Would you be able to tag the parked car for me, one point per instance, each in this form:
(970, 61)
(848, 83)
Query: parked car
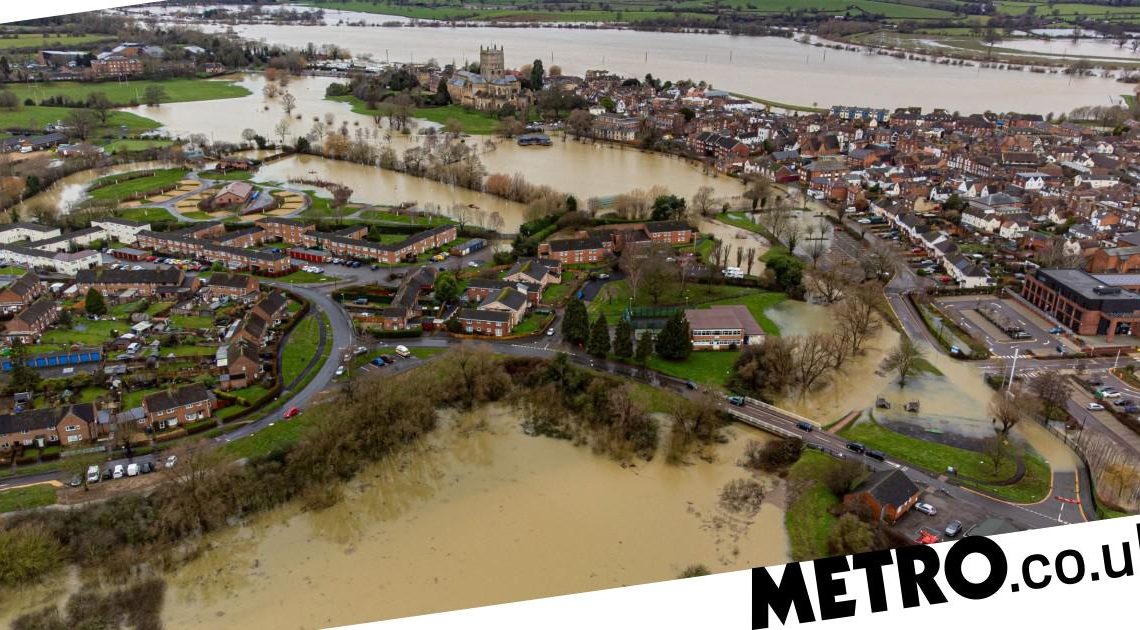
(118, 471)
(806, 427)
(1056, 330)
(736, 400)
(360, 350)
(378, 362)
(690, 385)
(1110, 393)
(550, 332)
(856, 447)
(171, 461)
(147, 467)
(76, 481)
(293, 412)
(873, 454)
(925, 508)
(1123, 402)
(107, 473)
(1095, 407)
(403, 351)
(953, 528)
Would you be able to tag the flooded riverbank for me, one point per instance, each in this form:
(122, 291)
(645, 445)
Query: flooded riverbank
(426, 531)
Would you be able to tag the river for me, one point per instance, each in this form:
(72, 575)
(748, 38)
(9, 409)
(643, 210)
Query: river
(476, 516)
(773, 68)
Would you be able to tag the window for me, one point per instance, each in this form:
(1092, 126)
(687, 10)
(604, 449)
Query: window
(72, 439)
(71, 428)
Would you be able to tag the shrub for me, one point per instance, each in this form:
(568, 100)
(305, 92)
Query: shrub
(27, 554)
(774, 456)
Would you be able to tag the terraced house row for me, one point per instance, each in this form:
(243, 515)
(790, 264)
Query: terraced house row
(350, 242)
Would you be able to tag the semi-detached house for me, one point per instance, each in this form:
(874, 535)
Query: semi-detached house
(190, 403)
(68, 426)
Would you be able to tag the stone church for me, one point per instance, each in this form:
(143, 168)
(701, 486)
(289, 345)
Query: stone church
(491, 88)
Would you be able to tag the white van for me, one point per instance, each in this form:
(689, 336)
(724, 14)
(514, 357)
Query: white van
(132, 470)
(118, 472)
(733, 272)
(403, 351)
(134, 347)
(93, 474)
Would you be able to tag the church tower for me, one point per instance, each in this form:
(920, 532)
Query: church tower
(491, 64)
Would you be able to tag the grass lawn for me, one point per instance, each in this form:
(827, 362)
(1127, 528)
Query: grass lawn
(123, 146)
(12, 271)
(93, 333)
(614, 297)
(134, 398)
(1033, 487)
(27, 497)
(555, 292)
(251, 393)
(160, 178)
(145, 215)
(188, 351)
(808, 519)
(932, 456)
(158, 307)
(922, 366)
(473, 122)
(530, 324)
(418, 352)
(280, 434)
(758, 302)
(300, 348)
(51, 41)
(125, 309)
(122, 93)
(192, 321)
(708, 367)
(230, 176)
(655, 399)
(381, 216)
(37, 117)
(305, 277)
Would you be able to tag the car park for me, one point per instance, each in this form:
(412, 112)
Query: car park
(953, 528)
(925, 508)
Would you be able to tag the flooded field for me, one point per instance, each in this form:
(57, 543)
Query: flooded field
(426, 532)
(69, 191)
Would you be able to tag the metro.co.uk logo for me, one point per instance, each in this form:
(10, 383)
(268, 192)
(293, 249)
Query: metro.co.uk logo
(972, 568)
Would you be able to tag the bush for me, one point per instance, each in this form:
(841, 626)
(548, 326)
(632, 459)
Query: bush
(26, 554)
(774, 456)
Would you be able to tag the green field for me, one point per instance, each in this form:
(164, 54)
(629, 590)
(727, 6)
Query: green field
(614, 297)
(94, 333)
(37, 117)
(705, 367)
(381, 216)
(230, 176)
(192, 322)
(12, 271)
(52, 41)
(145, 215)
(280, 433)
(473, 122)
(177, 90)
(160, 178)
(808, 519)
(26, 498)
(300, 348)
(125, 146)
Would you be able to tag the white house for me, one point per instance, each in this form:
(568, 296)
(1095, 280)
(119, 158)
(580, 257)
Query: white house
(121, 230)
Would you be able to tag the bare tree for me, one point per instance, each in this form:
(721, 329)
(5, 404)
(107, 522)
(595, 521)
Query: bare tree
(702, 200)
(1004, 410)
(856, 318)
(758, 189)
(751, 258)
(813, 360)
(739, 257)
(656, 276)
(879, 263)
(288, 103)
(904, 360)
(997, 450)
(827, 284)
(838, 349)
(281, 130)
(1052, 391)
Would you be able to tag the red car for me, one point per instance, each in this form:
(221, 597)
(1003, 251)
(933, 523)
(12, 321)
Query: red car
(293, 411)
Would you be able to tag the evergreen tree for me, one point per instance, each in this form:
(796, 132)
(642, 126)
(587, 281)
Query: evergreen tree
(576, 323)
(536, 75)
(673, 341)
(623, 340)
(599, 345)
(644, 347)
(93, 303)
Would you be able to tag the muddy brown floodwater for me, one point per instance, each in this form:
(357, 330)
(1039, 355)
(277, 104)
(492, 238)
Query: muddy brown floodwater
(475, 517)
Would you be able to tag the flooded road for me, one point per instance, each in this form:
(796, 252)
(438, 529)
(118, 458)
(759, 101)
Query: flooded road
(427, 531)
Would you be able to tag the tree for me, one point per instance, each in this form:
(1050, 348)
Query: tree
(599, 344)
(1005, 411)
(1052, 391)
(813, 360)
(673, 342)
(281, 129)
(996, 448)
(703, 200)
(23, 378)
(81, 123)
(644, 347)
(93, 303)
(856, 319)
(536, 75)
(446, 287)
(668, 207)
(623, 340)
(843, 476)
(288, 102)
(580, 122)
(576, 323)
(656, 275)
(757, 191)
(850, 535)
(100, 104)
(766, 369)
(154, 95)
(904, 359)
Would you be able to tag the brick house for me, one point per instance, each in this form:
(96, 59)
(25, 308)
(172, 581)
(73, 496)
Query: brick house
(1084, 303)
(31, 322)
(234, 285)
(233, 193)
(887, 494)
(574, 250)
(723, 327)
(254, 330)
(669, 232)
(507, 300)
(485, 322)
(272, 307)
(146, 282)
(243, 365)
(58, 425)
(185, 404)
(22, 292)
(479, 288)
(288, 230)
(538, 271)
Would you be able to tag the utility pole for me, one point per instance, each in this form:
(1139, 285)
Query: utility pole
(1012, 369)
(1117, 361)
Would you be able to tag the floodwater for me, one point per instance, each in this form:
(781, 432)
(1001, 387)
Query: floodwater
(773, 68)
(1095, 48)
(69, 191)
(476, 517)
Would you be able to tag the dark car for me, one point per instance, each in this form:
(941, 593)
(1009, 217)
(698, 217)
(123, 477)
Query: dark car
(856, 447)
(1123, 402)
(107, 474)
(388, 358)
(953, 528)
(736, 400)
(806, 427)
(873, 454)
(147, 467)
(690, 385)
(378, 362)
(76, 481)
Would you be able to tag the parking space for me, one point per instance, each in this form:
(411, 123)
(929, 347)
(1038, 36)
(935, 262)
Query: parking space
(947, 509)
(1002, 326)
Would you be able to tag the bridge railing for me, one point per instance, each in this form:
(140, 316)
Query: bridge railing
(782, 412)
(761, 424)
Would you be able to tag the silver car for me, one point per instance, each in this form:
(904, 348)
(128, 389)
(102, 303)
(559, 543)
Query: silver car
(925, 508)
